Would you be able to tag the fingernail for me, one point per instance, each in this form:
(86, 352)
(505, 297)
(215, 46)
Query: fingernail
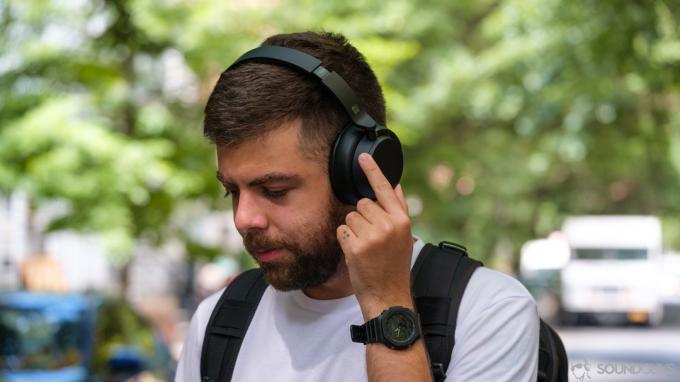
(363, 157)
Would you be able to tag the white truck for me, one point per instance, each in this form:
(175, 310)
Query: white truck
(541, 261)
(613, 271)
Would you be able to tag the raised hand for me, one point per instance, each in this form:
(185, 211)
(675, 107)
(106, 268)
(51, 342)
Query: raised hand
(377, 242)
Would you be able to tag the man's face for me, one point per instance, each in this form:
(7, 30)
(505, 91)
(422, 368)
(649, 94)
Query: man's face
(283, 208)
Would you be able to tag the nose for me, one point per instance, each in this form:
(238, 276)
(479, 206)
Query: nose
(248, 215)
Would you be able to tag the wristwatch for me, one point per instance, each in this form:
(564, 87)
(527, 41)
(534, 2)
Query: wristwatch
(396, 327)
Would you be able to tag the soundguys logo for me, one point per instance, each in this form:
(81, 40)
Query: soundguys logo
(585, 370)
(580, 370)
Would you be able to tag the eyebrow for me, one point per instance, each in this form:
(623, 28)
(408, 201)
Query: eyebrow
(268, 178)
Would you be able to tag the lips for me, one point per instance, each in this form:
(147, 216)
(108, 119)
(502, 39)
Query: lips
(268, 255)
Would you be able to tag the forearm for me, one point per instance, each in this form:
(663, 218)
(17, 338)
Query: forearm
(385, 364)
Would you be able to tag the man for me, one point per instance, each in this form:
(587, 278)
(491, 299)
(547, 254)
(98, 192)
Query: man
(331, 264)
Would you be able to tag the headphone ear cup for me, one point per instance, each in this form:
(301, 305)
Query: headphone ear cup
(340, 164)
(387, 153)
(347, 178)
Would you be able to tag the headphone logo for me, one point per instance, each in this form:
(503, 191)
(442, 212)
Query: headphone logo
(355, 109)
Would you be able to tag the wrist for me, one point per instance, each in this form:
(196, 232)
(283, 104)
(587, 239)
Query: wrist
(397, 328)
(373, 306)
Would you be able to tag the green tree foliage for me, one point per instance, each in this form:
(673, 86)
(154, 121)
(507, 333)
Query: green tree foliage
(88, 118)
(514, 113)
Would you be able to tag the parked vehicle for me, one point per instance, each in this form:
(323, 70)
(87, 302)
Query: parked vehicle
(670, 282)
(541, 261)
(613, 270)
(75, 337)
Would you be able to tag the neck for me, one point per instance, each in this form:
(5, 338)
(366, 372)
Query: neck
(338, 286)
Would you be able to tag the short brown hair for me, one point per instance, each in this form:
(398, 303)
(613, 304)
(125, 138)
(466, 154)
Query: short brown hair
(255, 97)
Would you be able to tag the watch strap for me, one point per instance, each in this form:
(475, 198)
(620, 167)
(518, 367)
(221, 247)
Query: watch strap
(370, 332)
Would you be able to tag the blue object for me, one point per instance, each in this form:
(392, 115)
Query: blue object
(52, 337)
(67, 374)
(46, 336)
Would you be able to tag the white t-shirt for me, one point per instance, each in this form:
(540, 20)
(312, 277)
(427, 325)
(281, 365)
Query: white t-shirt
(296, 338)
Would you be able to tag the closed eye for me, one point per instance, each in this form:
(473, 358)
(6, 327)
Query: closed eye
(274, 194)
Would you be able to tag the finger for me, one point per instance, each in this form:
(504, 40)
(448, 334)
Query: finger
(380, 185)
(370, 210)
(345, 236)
(344, 233)
(400, 195)
(359, 225)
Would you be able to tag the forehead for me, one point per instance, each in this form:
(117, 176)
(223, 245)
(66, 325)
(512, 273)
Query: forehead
(275, 151)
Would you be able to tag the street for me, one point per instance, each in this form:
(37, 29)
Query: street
(623, 353)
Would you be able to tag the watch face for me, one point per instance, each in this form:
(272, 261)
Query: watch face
(399, 328)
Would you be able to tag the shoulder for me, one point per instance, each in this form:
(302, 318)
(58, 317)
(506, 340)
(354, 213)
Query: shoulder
(203, 313)
(488, 287)
(497, 330)
(497, 299)
(188, 367)
(201, 317)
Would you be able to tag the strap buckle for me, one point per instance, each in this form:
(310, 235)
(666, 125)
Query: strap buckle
(438, 371)
(448, 245)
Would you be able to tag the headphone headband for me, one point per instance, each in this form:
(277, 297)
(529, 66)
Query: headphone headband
(361, 135)
(310, 65)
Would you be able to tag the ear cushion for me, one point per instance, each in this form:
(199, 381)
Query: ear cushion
(347, 178)
(340, 164)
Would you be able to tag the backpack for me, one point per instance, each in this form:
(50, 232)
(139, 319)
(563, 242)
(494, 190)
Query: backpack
(439, 278)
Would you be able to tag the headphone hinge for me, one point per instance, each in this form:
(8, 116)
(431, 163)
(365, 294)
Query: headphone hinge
(370, 132)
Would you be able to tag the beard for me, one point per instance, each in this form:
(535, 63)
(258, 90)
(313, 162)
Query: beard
(316, 254)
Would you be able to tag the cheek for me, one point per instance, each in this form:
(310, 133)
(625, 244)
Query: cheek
(305, 218)
(291, 217)
(314, 197)
(304, 213)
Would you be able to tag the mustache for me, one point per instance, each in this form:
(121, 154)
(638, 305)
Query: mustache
(255, 243)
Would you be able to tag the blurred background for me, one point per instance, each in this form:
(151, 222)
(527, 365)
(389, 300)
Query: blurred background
(544, 135)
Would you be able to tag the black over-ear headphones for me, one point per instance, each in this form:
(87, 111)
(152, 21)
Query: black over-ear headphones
(361, 135)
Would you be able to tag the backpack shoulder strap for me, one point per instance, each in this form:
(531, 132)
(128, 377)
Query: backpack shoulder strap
(228, 324)
(552, 357)
(439, 278)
